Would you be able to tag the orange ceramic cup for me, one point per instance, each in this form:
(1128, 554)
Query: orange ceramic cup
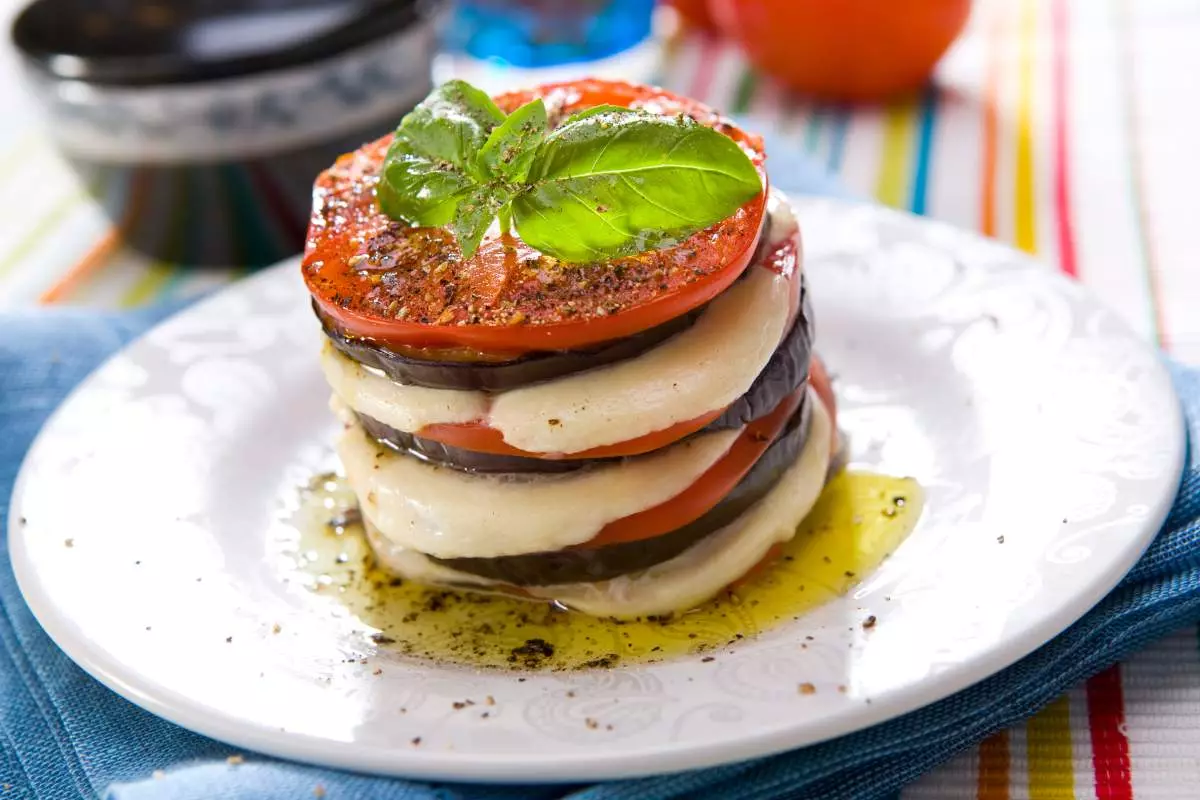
(858, 50)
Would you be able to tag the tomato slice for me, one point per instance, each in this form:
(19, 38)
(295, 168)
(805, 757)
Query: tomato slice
(817, 375)
(708, 490)
(818, 379)
(482, 439)
(410, 287)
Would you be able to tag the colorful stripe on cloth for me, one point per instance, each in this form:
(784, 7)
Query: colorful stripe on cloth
(1110, 746)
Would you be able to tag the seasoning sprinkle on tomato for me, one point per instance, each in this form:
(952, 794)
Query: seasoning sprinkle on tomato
(403, 286)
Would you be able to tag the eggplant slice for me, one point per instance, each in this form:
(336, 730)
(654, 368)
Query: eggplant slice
(466, 460)
(790, 359)
(785, 372)
(503, 375)
(578, 565)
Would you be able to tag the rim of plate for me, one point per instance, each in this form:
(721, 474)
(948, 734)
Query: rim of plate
(602, 762)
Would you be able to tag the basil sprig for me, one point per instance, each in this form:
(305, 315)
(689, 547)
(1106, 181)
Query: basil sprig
(607, 182)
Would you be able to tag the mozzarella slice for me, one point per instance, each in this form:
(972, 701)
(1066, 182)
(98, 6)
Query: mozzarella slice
(405, 408)
(685, 581)
(781, 218)
(449, 514)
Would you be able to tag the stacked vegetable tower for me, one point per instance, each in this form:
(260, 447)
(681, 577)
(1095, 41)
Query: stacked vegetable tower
(568, 333)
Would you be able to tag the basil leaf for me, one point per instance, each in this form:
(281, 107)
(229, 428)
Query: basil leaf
(594, 110)
(451, 124)
(419, 190)
(430, 167)
(475, 213)
(608, 182)
(621, 182)
(512, 144)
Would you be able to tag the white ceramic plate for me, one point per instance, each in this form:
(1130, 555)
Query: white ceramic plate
(1047, 437)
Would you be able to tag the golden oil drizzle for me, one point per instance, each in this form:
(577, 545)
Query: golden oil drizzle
(859, 520)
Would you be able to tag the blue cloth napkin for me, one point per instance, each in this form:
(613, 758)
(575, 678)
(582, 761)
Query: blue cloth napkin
(65, 736)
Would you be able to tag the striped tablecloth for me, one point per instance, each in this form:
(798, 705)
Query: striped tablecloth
(1068, 128)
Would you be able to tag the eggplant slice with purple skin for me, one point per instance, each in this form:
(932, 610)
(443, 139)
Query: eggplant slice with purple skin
(502, 375)
(458, 458)
(540, 367)
(786, 372)
(579, 565)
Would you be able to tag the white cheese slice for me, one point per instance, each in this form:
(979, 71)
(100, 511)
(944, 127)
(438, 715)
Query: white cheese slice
(781, 219)
(405, 408)
(690, 578)
(700, 370)
(449, 514)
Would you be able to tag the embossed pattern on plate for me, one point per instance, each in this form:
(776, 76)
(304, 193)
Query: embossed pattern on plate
(1048, 439)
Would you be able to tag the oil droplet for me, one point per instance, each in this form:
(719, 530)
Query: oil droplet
(854, 526)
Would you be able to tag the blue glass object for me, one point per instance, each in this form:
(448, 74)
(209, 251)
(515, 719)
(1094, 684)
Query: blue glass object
(546, 33)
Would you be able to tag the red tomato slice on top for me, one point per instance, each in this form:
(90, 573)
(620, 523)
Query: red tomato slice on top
(410, 287)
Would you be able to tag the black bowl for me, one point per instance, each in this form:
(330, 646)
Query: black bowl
(200, 126)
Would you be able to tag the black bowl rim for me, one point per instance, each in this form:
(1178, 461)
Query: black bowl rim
(177, 69)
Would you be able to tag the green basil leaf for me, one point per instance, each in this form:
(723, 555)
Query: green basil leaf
(512, 144)
(451, 124)
(620, 182)
(420, 190)
(430, 167)
(608, 182)
(594, 110)
(474, 214)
